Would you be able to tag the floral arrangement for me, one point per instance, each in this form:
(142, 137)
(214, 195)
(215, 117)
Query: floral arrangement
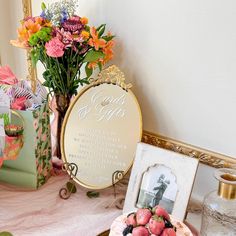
(64, 42)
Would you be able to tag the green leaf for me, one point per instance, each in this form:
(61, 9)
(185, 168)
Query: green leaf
(46, 84)
(101, 30)
(6, 118)
(87, 28)
(48, 79)
(88, 71)
(71, 187)
(35, 56)
(84, 81)
(108, 38)
(100, 66)
(93, 56)
(92, 194)
(100, 27)
(5, 234)
(43, 6)
(76, 82)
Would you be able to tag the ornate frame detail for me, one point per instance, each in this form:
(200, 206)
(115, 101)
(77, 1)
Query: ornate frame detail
(206, 157)
(112, 75)
(27, 11)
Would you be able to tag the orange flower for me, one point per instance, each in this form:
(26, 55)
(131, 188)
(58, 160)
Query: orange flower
(95, 41)
(85, 34)
(23, 34)
(107, 50)
(84, 20)
(19, 44)
(93, 64)
(38, 20)
(32, 27)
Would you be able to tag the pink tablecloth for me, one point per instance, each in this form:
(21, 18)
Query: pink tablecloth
(43, 213)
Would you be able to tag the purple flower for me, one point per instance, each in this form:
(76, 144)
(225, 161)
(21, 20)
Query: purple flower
(43, 14)
(73, 25)
(64, 16)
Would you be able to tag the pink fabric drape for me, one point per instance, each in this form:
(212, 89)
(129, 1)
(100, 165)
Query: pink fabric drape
(44, 213)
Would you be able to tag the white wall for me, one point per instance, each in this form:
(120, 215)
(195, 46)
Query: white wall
(180, 57)
(11, 12)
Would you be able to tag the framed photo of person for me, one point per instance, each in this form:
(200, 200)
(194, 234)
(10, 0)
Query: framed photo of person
(160, 177)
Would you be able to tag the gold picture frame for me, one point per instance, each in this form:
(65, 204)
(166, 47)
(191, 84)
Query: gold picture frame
(32, 76)
(206, 157)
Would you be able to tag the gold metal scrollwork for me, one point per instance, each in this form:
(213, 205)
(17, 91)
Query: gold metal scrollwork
(116, 176)
(112, 75)
(72, 169)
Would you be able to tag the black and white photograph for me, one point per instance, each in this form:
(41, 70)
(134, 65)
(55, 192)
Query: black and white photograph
(158, 187)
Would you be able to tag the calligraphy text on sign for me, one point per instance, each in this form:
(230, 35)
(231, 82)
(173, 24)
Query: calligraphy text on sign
(106, 107)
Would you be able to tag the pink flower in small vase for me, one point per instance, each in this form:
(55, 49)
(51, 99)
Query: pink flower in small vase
(55, 48)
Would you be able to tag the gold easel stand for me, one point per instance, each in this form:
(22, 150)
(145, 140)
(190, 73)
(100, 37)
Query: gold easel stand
(66, 191)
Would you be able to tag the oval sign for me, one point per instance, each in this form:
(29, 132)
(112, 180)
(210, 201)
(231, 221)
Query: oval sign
(101, 130)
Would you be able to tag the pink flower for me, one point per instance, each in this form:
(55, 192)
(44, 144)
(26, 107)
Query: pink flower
(19, 103)
(64, 36)
(7, 76)
(55, 48)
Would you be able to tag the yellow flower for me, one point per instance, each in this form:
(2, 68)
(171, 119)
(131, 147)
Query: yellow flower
(85, 34)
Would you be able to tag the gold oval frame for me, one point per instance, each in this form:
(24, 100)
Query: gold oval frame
(111, 75)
